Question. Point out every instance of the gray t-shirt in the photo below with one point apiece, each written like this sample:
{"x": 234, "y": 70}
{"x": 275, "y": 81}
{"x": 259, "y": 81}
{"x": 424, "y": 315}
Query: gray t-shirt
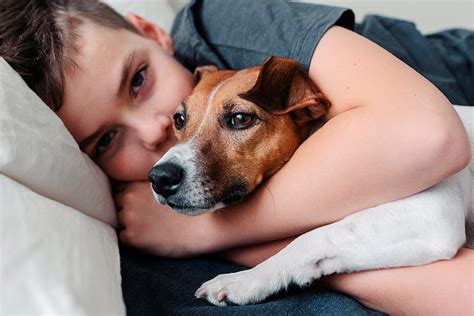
{"x": 236, "y": 34}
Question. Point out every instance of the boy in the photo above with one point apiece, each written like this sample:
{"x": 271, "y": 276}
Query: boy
{"x": 115, "y": 84}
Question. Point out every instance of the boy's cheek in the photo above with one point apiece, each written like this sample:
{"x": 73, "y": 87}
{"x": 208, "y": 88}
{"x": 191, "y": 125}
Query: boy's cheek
{"x": 129, "y": 165}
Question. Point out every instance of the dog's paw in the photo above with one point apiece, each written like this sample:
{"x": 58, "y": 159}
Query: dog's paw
{"x": 240, "y": 288}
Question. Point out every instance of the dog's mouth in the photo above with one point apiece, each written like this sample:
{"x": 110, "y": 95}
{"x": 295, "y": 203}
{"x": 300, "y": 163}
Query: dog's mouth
{"x": 204, "y": 204}
{"x": 190, "y": 209}
{"x": 235, "y": 194}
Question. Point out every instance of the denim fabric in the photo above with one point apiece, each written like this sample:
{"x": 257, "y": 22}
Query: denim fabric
{"x": 159, "y": 286}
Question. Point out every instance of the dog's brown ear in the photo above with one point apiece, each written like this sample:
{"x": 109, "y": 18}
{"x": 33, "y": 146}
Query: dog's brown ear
{"x": 202, "y": 71}
{"x": 283, "y": 86}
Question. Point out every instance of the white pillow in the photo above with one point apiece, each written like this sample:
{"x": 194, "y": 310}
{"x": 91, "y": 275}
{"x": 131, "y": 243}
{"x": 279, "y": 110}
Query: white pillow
{"x": 54, "y": 259}
{"x": 38, "y": 151}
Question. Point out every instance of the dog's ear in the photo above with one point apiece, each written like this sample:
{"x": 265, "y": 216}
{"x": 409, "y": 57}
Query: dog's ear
{"x": 202, "y": 71}
{"x": 283, "y": 86}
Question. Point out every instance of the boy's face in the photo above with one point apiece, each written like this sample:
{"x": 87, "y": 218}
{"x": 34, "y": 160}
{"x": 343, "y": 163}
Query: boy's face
{"x": 119, "y": 101}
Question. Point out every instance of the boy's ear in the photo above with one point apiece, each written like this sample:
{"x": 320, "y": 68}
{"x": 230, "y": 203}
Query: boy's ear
{"x": 151, "y": 31}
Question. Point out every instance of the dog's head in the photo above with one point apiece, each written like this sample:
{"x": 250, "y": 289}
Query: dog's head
{"x": 236, "y": 129}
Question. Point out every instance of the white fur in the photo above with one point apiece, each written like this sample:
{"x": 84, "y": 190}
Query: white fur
{"x": 419, "y": 229}
{"x": 194, "y": 188}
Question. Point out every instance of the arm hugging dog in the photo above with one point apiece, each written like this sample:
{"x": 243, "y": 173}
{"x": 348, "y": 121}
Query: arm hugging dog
{"x": 239, "y": 128}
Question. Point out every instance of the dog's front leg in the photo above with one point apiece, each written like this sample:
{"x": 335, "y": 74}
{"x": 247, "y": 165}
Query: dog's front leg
{"x": 417, "y": 230}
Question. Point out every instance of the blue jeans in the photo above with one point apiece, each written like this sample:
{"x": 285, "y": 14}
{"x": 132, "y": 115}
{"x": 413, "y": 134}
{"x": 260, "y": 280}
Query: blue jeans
{"x": 159, "y": 286}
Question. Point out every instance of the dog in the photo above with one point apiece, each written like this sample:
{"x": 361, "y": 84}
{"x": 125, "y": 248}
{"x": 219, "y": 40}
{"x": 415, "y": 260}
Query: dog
{"x": 237, "y": 129}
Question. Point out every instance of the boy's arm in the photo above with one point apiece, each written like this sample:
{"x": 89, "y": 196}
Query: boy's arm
{"x": 440, "y": 288}
{"x": 390, "y": 133}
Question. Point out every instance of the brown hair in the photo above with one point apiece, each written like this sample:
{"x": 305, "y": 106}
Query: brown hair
{"x": 38, "y": 39}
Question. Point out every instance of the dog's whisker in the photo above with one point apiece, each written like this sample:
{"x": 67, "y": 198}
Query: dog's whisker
{"x": 271, "y": 194}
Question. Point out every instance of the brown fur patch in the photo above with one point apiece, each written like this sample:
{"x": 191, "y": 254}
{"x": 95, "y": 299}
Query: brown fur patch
{"x": 237, "y": 158}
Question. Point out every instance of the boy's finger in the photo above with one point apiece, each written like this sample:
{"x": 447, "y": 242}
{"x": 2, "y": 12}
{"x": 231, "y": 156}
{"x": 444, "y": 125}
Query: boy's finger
{"x": 120, "y": 219}
{"x": 118, "y": 201}
{"x": 122, "y": 239}
{"x": 118, "y": 186}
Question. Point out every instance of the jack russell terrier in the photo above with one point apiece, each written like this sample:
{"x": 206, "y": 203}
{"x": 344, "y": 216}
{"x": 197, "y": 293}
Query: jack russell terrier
{"x": 240, "y": 127}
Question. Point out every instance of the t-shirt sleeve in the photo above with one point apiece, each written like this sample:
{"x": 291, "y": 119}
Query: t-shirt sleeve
{"x": 236, "y": 34}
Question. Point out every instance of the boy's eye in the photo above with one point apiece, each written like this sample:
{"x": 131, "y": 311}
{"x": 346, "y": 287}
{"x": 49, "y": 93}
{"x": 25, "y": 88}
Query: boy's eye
{"x": 104, "y": 143}
{"x": 138, "y": 81}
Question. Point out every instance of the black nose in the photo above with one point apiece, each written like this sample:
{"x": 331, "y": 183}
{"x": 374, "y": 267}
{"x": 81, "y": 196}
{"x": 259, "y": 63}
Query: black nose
{"x": 166, "y": 178}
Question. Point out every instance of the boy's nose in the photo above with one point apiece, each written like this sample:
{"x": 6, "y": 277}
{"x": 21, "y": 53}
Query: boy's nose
{"x": 155, "y": 131}
{"x": 166, "y": 178}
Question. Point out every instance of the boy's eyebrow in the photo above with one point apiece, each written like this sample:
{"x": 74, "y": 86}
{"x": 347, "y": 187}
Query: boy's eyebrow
{"x": 127, "y": 64}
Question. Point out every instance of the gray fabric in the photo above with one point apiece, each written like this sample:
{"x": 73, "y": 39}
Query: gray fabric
{"x": 445, "y": 58}
{"x": 456, "y": 49}
{"x": 237, "y": 34}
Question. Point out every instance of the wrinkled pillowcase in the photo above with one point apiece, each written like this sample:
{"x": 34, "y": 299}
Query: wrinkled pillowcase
{"x": 58, "y": 260}
{"x": 38, "y": 152}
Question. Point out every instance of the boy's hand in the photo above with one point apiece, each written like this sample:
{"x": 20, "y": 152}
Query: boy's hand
{"x": 155, "y": 228}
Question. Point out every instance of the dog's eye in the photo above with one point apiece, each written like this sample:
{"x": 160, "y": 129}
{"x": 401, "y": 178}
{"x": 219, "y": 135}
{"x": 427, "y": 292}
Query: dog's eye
{"x": 241, "y": 120}
{"x": 179, "y": 120}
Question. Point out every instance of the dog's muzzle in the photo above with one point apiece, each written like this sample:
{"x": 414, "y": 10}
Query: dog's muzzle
{"x": 178, "y": 180}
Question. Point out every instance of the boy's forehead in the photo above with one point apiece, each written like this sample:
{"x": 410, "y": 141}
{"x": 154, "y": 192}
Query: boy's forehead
{"x": 98, "y": 44}
{"x": 101, "y": 57}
